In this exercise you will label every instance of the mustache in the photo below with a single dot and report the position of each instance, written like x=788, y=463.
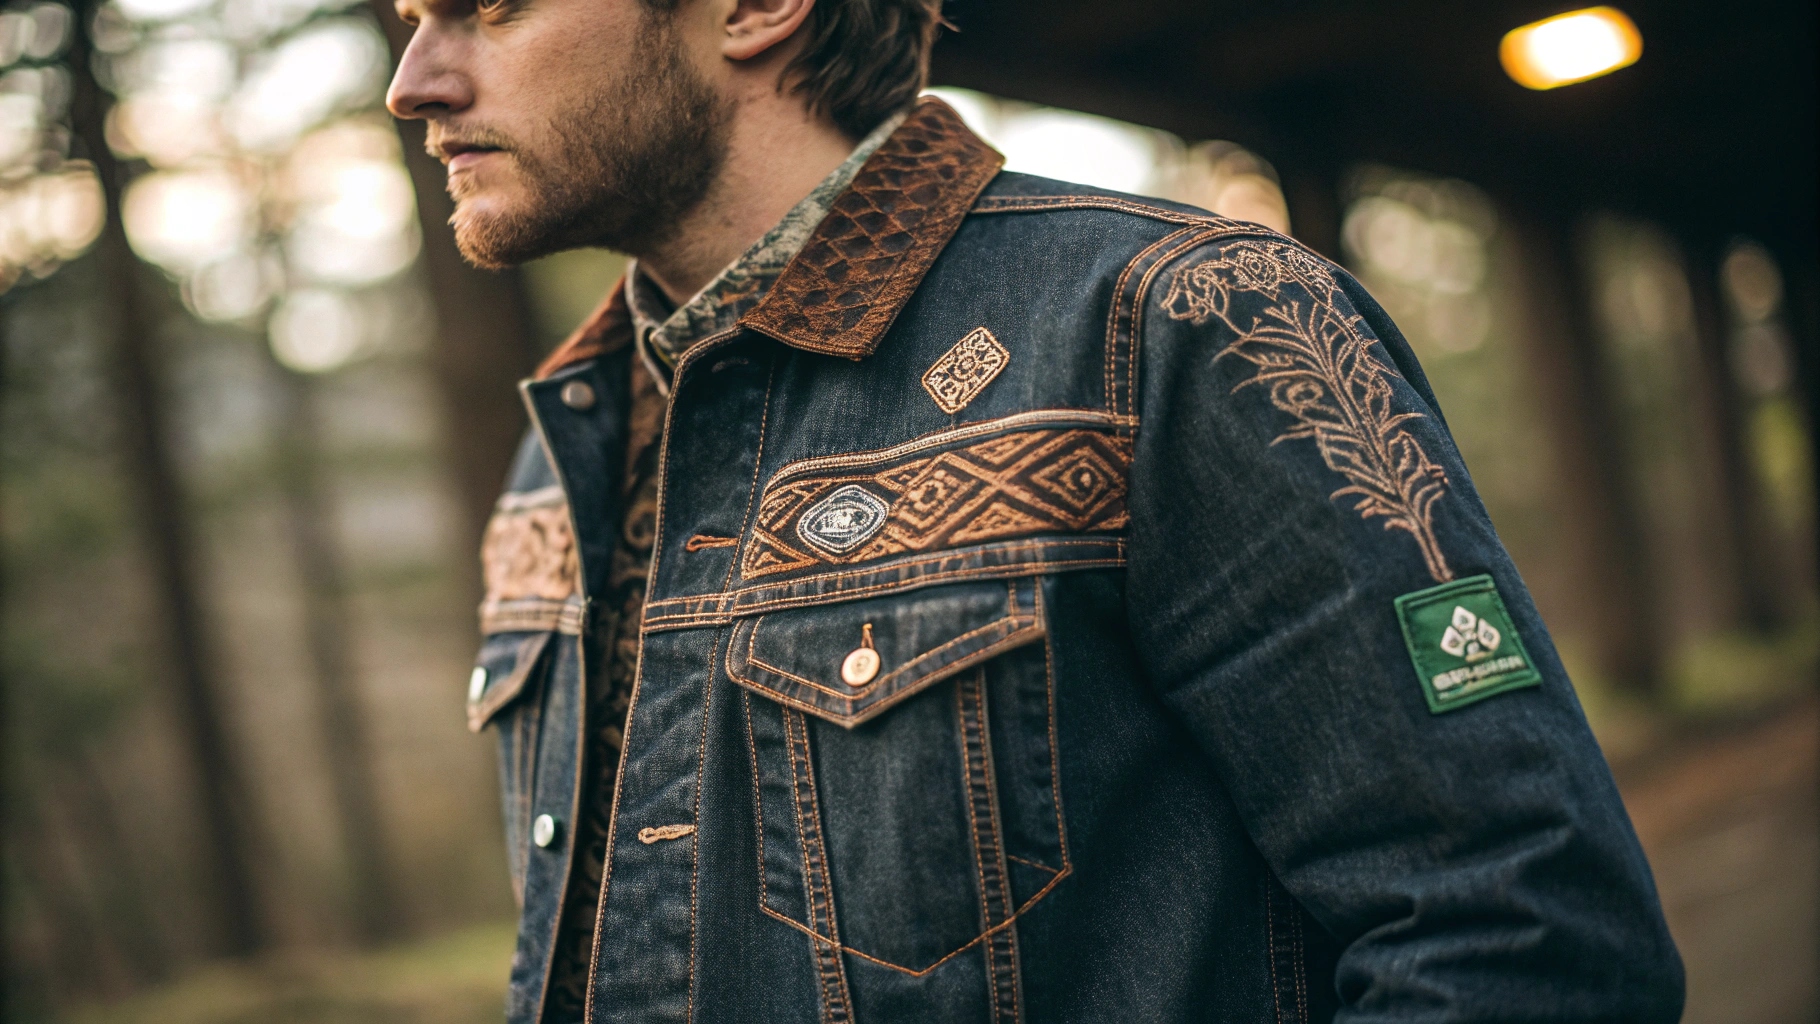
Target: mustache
x=442, y=140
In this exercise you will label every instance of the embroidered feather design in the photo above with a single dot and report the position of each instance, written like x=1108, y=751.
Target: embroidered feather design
x=1317, y=363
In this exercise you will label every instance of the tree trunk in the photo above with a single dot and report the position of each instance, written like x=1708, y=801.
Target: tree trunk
x=1745, y=527
x=1606, y=530
x=225, y=805
x=310, y=523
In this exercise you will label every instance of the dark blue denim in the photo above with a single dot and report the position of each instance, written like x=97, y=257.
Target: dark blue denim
x=1144, y=742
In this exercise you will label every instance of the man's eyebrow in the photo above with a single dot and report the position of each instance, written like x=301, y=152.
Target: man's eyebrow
x=412, y=11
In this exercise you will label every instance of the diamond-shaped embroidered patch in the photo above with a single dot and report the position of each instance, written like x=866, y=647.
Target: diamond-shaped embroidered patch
x=843, y=520
x=964, y=370
x=1463, y=644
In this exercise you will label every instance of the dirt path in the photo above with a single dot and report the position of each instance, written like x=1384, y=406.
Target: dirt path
x=1732, y=827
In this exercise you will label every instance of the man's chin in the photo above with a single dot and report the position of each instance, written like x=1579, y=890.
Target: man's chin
x=494, y=239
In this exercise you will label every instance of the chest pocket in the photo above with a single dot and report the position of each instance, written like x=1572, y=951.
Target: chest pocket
x=907, y=800
x=505, y=691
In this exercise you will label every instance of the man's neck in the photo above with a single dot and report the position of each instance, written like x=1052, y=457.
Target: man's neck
x=777, y=153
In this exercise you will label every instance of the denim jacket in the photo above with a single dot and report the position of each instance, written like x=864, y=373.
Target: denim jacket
x=1065, y=607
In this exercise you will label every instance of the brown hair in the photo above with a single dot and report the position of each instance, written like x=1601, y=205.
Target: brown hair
x=864, y=60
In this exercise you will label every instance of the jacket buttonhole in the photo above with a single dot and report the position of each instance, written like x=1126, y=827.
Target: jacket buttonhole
x=648, y=836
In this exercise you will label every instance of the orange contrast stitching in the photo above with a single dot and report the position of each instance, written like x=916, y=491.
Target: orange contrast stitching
x=1015, y=640
x=1022, y=483
x=1118, y=298
x=948, y=435
x=716, y=618
x=730, y=599
x=758, y=806
x=911, y=971
x=1025, y=861
x=1055, y=752
x=758, y=460
x=1008, y=622
x=1137, y=310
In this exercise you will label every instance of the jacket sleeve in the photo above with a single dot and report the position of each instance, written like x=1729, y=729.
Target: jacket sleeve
x=1463, y=841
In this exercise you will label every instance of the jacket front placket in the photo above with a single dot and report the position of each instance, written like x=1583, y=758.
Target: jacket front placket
x=645, y=937
x=579, y=415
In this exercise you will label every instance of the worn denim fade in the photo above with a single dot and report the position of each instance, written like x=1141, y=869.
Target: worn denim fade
x=1145, y=741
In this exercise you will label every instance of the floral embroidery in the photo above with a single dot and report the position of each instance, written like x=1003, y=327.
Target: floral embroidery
x=526, y=559
x=1316, y=359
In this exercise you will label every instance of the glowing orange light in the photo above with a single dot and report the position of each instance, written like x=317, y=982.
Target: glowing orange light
x=1571, y=47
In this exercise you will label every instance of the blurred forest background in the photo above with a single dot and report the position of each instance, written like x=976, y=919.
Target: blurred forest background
x=254, y=411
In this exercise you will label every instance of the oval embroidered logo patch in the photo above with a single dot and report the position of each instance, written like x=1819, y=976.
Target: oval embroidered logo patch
x=843, y=520
x=1463, y=644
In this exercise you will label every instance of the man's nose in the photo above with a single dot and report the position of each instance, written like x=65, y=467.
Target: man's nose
x=429, y=80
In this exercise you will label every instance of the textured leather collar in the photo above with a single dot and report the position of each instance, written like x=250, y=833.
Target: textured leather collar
x=843, y=290
x=845, y=287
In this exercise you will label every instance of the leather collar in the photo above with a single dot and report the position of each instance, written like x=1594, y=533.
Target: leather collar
x=845, y=287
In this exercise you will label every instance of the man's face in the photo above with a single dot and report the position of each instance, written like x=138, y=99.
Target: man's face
x=564, y=123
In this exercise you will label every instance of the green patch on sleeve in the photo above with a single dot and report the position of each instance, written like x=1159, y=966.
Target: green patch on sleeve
x=1463, y=644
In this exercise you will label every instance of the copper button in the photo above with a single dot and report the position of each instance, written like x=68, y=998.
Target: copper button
x=860, y=667
x=578, y=395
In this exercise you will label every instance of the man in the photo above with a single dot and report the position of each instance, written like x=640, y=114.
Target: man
x=937, y=594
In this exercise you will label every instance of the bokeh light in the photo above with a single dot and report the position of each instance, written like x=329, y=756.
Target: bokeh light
x=1571, y=47
x=316, y=330
x=51, y=207
x=265, y=180
x=181, y=220
x=1423, y=245
x=1104, y=153
x=338, y=64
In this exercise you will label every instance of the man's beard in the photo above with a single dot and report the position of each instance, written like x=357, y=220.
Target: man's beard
x=628, y=164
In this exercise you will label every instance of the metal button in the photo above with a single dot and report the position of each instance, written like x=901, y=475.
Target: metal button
x=543, y=831
x=860, y=667
x=477, y=685
x=578, y=395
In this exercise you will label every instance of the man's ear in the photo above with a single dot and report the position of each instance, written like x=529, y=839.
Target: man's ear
x=755, y=26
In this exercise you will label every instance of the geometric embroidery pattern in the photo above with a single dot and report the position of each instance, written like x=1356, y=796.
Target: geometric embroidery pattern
x=843, y=520
x=965, y=370
x=1014, y=485
x=1315, y=359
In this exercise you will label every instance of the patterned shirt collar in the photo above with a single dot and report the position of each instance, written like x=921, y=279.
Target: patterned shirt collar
x=663, y=334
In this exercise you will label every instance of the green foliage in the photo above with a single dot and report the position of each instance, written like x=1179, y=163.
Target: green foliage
x=1737, y=672
x=1783, y=460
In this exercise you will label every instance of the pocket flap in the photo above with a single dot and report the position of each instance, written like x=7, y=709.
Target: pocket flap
x=500, y=673
x=796, y=657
